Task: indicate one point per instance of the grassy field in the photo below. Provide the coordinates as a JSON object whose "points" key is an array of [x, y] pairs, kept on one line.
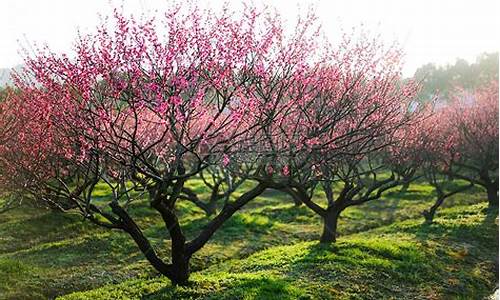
{"points": [[267, 250]]}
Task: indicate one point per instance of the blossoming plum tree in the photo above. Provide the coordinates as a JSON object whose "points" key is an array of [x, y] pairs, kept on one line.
{"points": [[435, 149], [458, 141], [144, 112], [340, 130], [8, 201], [475, 121]]}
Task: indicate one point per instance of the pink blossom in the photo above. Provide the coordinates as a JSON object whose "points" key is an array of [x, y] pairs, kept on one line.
{"points": [[175, 100], [225, 160], [285, 171], [270, 170]]}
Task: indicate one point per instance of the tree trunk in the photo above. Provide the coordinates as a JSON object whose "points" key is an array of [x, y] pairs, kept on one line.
{"points": [[227, 211], [407, 179], [214, 198], [295, 197], [142, 242], [330, 221], [180, 268], [178, 271], [208, 208], [429, 214], [296, 201], [180, 257], [491, 187], [492, 191], [404, 187]]}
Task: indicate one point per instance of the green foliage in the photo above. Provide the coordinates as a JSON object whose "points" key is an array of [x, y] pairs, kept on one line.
{"points": [[444, 78]]}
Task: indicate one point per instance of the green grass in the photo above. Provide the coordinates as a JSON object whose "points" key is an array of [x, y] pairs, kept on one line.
{"points": [[45, 254], [406, 260]]}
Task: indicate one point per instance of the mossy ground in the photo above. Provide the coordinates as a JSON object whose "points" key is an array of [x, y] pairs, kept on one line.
{"points": [[266, 251]]}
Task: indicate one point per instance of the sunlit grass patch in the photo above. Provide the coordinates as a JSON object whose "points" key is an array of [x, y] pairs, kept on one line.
{"points": [[270, 237], [406, 260]]}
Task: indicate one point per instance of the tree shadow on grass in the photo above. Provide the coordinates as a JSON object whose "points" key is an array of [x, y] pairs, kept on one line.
{"points": [[410, 194], [109, 248], [47, 226], [396, 205], [324, 272], [465, 225], [369, 269], [406, 261], [456, 257], [241, 286], [290, 214], [466, 241], [491, 215]]}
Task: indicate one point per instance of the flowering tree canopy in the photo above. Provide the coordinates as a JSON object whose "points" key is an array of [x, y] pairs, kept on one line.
{"points": [[350, 113], [144, 105], [475, 121], [434, 148], [143, 112], [460, 141]]}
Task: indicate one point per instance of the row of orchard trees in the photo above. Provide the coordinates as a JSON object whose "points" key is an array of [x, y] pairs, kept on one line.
{"points": [[459, 141], [145, 106]]}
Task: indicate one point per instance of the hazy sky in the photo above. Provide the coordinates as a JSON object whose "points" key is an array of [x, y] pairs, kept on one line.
{"points": [[430, 30]]}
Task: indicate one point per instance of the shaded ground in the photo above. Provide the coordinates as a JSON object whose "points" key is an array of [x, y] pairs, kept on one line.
{"points": [[43, 254], [451, 259]]}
